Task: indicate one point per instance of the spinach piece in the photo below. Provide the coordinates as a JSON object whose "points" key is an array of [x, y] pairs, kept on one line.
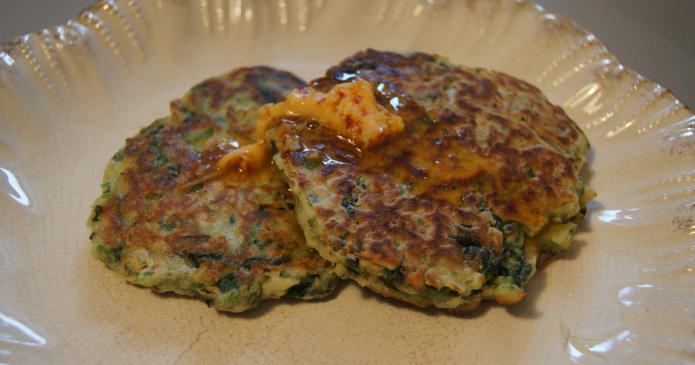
{"points": [[195, 187], [529, 172], [166, 227], [174, 170], [202, 136], [352, 264], [490, 265], [253, 239], [110, 257], [97, 212], [521, 272], [263, 210], [404, 189], [313, 222], [313, 198], [159, 160], [424, 118], [342, 239], [153, 129], [349, 204], [197, 287], [249, 262], [106, 187], [393, 276], [190, 118], [118, 157], [154, 196], [228, 283], [466, 241], [299, 290], [198, 257], [281, 260], [361, 183]]}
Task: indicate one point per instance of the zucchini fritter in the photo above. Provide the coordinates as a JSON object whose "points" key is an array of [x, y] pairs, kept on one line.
{"points": [[165, 221], [455, 208]]}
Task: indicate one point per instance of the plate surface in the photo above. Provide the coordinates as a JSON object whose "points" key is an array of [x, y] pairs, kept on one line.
{"points": [[70, 95]]}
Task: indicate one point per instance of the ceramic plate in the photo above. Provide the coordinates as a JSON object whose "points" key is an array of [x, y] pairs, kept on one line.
{"points": [[70, 95]]}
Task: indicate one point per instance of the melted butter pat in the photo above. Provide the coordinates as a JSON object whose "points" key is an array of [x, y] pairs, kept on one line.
{"points": [[350, 109]]}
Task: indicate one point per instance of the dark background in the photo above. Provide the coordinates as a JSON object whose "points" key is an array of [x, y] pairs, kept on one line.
{"points": [[654, 37]]}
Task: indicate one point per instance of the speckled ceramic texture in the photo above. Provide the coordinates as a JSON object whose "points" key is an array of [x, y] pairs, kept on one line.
{"points": [[70, 95]]}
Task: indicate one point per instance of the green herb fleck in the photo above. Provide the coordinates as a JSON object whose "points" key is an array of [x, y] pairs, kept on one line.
{"points": [[106, 187], [118, 157], [466, 241], [202, 136], [167, 227], [313, 198], [361, 183], [403, 189], [352, 264], [425, 119], [189, 118], [342, 239], [255, 260], [281, 260], [198, 257], [393, 276], [154, 128], [154, 196], [231, 219], [349, 204], [197, 287], [263, 210], [489, 263], [252, 238], [299, 290], [221, 120], [313, 223], [529, 172], [228, 283], [97, 212], [195, 187], [108, 256], [174, 170], [160, 159], [521, 272]]}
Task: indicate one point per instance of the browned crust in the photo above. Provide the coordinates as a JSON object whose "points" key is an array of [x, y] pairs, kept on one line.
{"points": [[155, 203], [480, 148]]}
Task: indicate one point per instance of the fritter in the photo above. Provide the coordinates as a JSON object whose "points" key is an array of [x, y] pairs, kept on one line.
{"points": [[167, 220], [442, 194]]}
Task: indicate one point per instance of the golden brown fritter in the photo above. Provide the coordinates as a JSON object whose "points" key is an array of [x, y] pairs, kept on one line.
{"points": [[454, 209], [232, 240]]}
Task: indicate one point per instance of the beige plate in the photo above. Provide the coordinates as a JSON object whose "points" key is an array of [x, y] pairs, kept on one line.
{"points": [[70, 95]]}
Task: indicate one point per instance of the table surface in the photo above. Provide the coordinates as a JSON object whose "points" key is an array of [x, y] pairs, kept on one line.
{"points": [[655, 38]]}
